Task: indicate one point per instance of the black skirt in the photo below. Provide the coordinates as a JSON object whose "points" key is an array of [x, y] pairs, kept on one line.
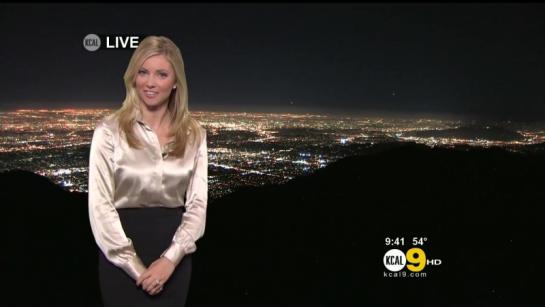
{"points": [[151, 230]]}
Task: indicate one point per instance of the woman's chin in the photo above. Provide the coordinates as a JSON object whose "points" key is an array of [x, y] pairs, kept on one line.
{"points": [[153, 103]]}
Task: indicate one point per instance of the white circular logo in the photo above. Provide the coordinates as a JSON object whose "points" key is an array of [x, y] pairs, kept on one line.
{"points": [[91, 42], [394, 260]]}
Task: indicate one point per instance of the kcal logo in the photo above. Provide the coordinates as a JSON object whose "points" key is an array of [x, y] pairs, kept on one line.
{"points": [[93, 42], [414, 259]]}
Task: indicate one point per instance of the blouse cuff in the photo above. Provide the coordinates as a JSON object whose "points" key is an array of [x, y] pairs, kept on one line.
{"points": [[176, 252], [134, 267]]}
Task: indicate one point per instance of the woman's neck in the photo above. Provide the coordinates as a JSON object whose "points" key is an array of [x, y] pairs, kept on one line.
{"points": [[155, 118]]}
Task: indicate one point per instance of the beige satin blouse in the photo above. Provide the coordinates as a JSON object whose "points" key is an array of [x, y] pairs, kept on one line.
{"points": [[124, 177]]}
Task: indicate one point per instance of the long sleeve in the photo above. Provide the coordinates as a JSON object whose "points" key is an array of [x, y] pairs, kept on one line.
{"points": [[194, 219], [104, 219]]}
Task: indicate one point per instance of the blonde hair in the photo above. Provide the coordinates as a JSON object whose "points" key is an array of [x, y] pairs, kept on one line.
{"points": [[183, 125]]}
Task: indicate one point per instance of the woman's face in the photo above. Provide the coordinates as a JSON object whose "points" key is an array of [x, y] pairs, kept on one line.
{"points": [[154, 81]]}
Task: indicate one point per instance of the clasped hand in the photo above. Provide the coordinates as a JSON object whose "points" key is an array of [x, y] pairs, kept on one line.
{"points": [[157, 274]]}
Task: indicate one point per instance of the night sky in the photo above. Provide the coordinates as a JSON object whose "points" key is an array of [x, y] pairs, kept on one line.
{"points": [[481, 60]]}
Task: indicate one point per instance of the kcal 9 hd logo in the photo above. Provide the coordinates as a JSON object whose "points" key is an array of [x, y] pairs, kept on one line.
{"points": [[414, 259]]}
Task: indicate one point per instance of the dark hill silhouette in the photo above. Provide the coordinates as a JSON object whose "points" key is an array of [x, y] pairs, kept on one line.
{"points": [[49, 258], [318, 240]]}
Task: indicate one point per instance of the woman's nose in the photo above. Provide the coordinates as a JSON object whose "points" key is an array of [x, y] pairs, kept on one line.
{"points": [[150, 82]]}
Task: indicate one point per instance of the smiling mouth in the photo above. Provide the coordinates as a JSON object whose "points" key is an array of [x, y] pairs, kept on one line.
{"points": [[150, 94]]}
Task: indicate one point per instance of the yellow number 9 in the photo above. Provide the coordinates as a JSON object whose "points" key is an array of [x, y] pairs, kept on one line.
{"points": [[417, 259]]}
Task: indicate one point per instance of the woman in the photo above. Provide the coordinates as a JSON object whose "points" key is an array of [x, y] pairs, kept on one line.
{"points": [[148, 187]]}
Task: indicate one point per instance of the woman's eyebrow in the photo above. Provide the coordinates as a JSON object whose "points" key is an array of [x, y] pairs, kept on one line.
{"points": [[159, 70]]}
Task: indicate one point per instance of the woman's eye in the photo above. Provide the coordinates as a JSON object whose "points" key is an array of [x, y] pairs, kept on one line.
{"points": [[141, 72], [163, 75]]}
